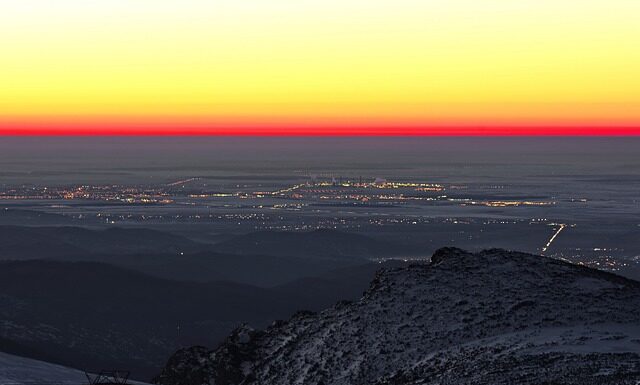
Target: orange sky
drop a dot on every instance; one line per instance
(307, 67)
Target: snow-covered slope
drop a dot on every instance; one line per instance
(15, 370)
(19, 370)
(493, 317)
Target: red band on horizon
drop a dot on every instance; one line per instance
(144, 130)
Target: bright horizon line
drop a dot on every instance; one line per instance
(343, 131)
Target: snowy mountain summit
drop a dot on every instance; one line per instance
(494, 317)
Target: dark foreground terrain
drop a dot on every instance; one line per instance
(494, 317)
(93, 316)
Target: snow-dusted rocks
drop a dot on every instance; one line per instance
(494, 317)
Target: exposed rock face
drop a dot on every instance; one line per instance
(494, 317)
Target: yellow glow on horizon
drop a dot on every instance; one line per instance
(436, 60)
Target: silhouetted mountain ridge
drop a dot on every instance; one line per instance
(323, 243)
(27, 242)
(170, 256)
(93, 315)
(259, 270)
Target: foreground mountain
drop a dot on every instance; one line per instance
(493, 317)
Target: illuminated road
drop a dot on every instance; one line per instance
(553, 237)
(182, 181)
(288, 189)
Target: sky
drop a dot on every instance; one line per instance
(307, 67)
